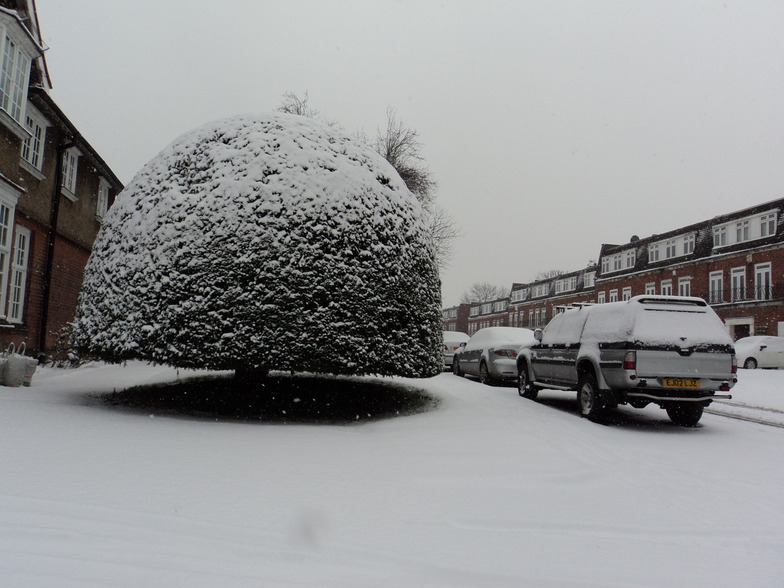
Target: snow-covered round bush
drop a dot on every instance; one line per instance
(265, 242)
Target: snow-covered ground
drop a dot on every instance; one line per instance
(488, 490)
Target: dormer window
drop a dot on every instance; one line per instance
(750, 228)
(768, 225)
(17, 51)
(14, 77)
(103, 198)
(33, 146)
(70, 168)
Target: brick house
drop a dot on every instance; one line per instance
(54, 191)
(533, 304)
(487, 314)
(734, 261)
(455, 318)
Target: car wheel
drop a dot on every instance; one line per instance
(524, 387)
(456, 368)
(484, 374)
(750, 364)
(591, 399)
(685, 414)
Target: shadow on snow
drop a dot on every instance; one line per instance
(278, 399)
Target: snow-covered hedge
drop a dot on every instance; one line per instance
(265, 242)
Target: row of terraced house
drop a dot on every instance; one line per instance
(734, 261)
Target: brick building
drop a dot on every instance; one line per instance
(54, 191)
(734, 261)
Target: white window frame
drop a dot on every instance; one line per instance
(742, 231)
(684, 286)
(70, 172)
(738, 284)
(18, 277)
(33, 146)
(719, 236)
(650, 289)
(653, 253)
(589, 280)
(665, 288)
(626, 294)
(763, 281)
(631, 258)
(614, 295)
(688, 243)
(7, 214)
(14, 76)
(600, 297)
(768, 224)
(716, 287)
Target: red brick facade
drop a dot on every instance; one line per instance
(734, 261)
(54, 189)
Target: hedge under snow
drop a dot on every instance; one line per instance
(265, 242)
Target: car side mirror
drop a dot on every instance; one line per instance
(462, 344)
(538, 335)
(763, 347)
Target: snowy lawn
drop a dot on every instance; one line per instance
(487, 490)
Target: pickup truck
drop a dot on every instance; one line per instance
(670, 350)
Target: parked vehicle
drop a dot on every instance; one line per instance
(490, 354)
(760, 351)
(452, 341)
(669, 350)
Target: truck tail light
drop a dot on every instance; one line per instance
(734, 365)
(630, 363)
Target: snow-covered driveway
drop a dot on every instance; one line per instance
(489, 490)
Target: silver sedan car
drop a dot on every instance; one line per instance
(491, 354)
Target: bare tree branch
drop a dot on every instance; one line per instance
(401, 147)
(293, 104)
(482, 292)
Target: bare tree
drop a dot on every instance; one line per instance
(482, 292)
(401, 147)
(293, 104)
(443, 231)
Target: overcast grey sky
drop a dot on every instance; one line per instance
(551, 126)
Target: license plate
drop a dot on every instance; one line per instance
(681, 383)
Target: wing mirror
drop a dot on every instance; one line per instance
(463, 344)
(538, 335)
(763, 347)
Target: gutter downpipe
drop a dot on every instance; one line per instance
(51, 236)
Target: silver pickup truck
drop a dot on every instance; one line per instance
(670, 350)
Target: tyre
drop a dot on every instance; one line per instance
(524, 387)
(685, 414)
(591, 399)
(750, 364)
(484, 374)
(456, 368)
